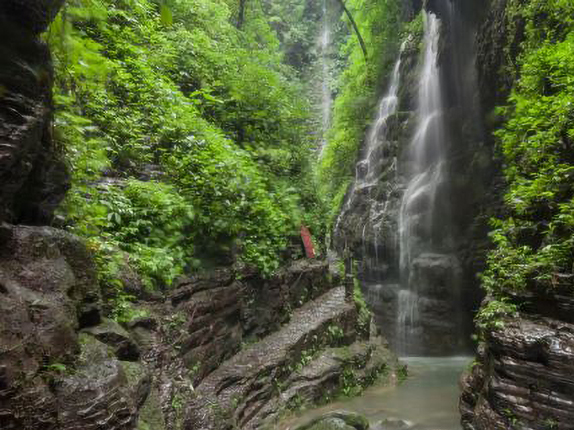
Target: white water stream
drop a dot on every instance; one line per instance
(326, 96)
(368, 168)
(426, 172)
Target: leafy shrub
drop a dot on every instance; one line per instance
(187, 137)
(535, 242)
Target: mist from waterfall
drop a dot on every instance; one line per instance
(426, 170)
(326, 96)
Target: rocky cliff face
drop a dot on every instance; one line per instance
(33, 177)
(522, 375)
(52, 375)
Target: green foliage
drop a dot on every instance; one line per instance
(57, 367)
(335, 334)
(535, 242)
(297, 24)
(187, 137)
(380, 25)
(491, 316)
(364, 314)
(147, 220)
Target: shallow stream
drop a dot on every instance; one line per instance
(427, 399)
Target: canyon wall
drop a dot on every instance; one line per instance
(32, 173)
(522, 375)
(66, 364)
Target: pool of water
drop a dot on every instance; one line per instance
(427, 399)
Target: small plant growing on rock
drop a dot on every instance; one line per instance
(491, 316)
(335, 333)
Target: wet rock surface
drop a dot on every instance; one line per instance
(523, 375)
(53, 377)
(286, 367)
(370, 227)
(33, 177)
(64, 366)
(116, 337)
(337, 420)
(226, 308)
(99, 394)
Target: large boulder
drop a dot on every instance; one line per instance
(116, 337)
(101, 392)
(52, 377)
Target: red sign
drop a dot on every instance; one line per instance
(307, 242)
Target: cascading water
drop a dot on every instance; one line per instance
(426, 173)
(368, 168)
(399, 219)
(326, 96)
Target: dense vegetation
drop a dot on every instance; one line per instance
(188, 137)
(191, 132)
(535, 241)
(191, 137)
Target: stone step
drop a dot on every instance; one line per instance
(335, 371)
(238, 391)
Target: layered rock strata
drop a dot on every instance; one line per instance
(522, 377)
(261, 381)
(33, 176)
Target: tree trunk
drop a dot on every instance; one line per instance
(354, 24)
(241, 14)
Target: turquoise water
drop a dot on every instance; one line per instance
(427, 399)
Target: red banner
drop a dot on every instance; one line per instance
(307, 242)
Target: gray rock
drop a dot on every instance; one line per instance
(115, 336)
(51, 378)
(33, 176)
(244, 385)
(337, 420)
(102, 392)
(523, 377)
(215, 313)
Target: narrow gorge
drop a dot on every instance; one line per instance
(408, 217)
(287, 215)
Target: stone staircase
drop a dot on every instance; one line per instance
(258, 383)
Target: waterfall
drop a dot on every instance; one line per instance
(399, 215)
(368, 168)
(326, 96)
(425, 173)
